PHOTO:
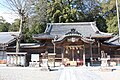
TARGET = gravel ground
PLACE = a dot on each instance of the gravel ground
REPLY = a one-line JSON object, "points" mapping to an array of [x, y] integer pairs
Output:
{"points": [[29, 73], [106, 73], [78, 73], [115, 75], [19, 73]]}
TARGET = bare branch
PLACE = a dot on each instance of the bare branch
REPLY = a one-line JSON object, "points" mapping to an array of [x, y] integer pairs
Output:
{"points": [[11, 5], [24, 5], [19, 4], [22, 1], [9, 8], [14, 1], [27, 5]]}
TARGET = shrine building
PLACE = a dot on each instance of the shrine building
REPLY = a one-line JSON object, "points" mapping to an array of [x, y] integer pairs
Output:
{"points": [[71, 44]]}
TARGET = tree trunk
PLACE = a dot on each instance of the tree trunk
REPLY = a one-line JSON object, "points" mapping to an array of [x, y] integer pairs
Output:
{"points": [[18, 38]]}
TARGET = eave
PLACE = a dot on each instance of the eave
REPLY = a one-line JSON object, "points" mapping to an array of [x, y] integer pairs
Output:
{"points": [[63, 38]]}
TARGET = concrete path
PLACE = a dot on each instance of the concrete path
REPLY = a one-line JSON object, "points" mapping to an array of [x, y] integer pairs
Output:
{"points": [[78, 73]]}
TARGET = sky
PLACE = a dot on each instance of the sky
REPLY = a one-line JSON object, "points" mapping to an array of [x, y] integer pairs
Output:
{"points": [[6, 13]]}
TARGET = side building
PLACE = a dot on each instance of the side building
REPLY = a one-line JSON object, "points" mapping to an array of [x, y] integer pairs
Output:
{"points": [[6, 39]]}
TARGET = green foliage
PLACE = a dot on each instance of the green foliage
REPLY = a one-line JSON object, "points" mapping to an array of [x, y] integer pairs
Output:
{"points": [[36, 23], [15, 26], [63, 11], [40, 13], [101, 23], [110, 15], [35, 29], [2, 20], [4, 27], [112, 25]]}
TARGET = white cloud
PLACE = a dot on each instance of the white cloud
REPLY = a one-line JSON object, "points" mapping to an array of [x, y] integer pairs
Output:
{"points": [[8, 16]]}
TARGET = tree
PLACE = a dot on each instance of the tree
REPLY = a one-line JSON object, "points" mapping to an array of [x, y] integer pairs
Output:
{"points": [[33, 13], [110, 15], [2, 20], [41, 11], [4, 26], [21, 7], [15, 25], [101, 23], [35, 29], [72, 10], [37, 21], [62, 11]]}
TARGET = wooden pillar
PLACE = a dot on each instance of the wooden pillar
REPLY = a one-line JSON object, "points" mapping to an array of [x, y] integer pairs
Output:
{"points": [[91, 55], [62, 58], [99, 48], [84, 56], [62, 54], [73, 54], [54, 53]]}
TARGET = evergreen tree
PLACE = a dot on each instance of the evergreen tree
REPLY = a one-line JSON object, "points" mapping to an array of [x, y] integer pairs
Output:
{"points": [[4, 26], [110, 15]]}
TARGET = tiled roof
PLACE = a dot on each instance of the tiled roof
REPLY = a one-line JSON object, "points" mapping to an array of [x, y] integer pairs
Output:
{"points": [[87, 29], [7, 37], [43, 36], [114, 41], [30, 45]]}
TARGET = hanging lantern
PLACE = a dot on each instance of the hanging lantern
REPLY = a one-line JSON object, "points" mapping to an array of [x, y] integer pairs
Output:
{"points": [[66, 52], [78, 51]]}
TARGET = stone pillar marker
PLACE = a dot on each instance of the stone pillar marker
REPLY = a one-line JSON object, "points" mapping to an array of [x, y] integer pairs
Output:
{"points": [[104, 59], [45, 65]]}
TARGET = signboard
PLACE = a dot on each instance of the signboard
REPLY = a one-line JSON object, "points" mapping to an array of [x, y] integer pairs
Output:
{"points": [[34, 57]]}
